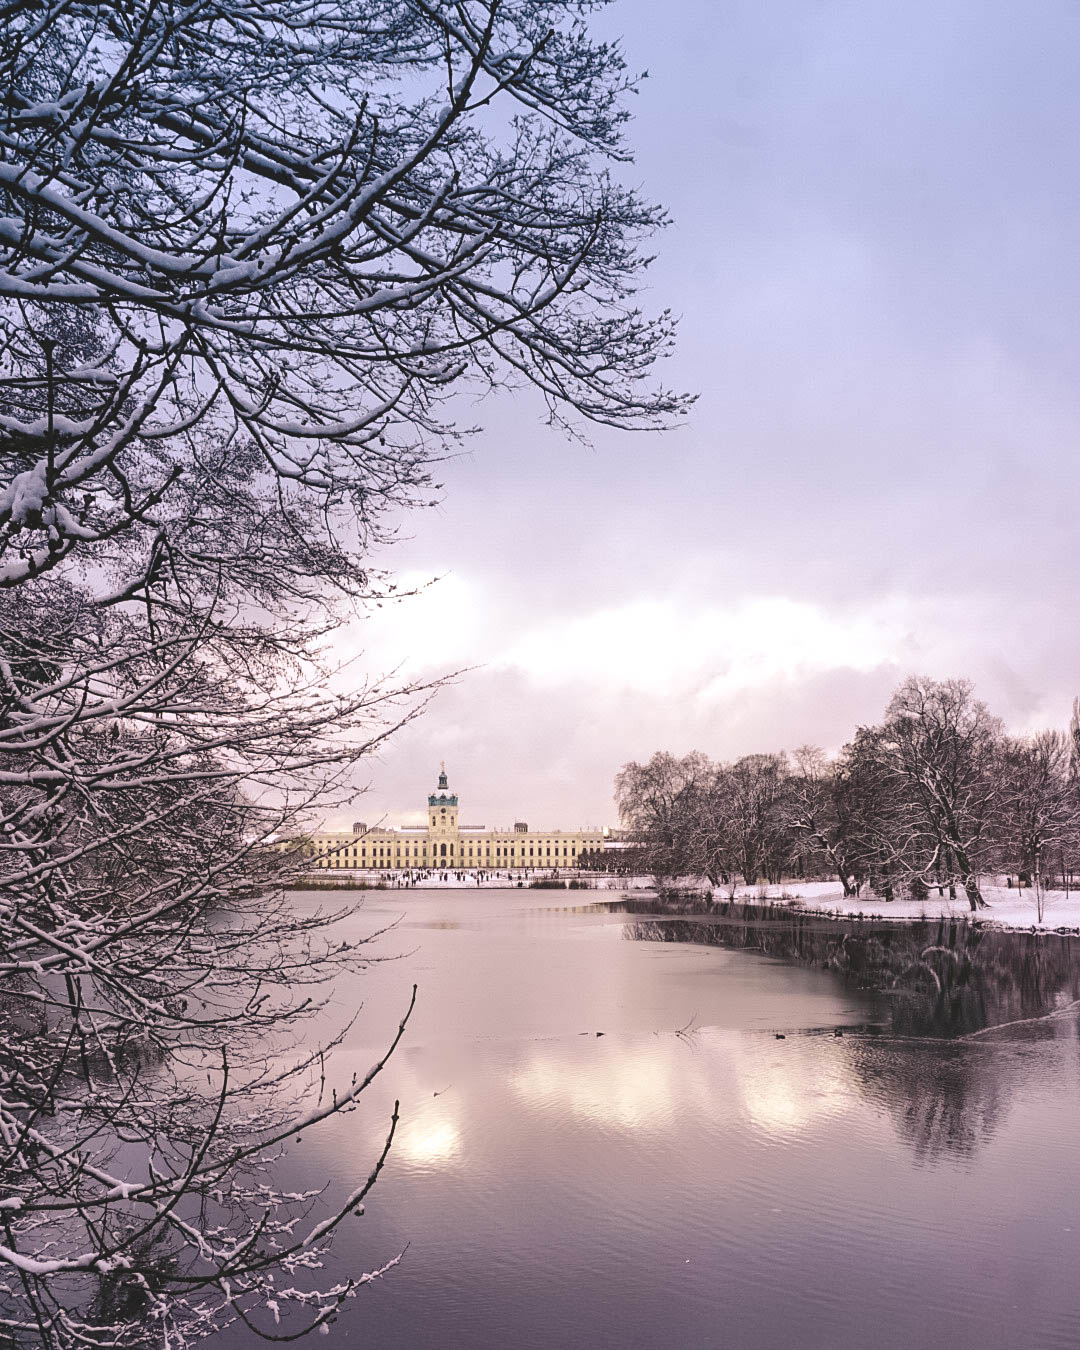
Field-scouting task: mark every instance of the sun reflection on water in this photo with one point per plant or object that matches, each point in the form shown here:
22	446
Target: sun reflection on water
626	1091
429	1141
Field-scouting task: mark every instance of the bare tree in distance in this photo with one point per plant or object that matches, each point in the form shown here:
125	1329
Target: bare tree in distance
691	815
249	252
658	802
713	829
757	784
935	795
942	748
887	848
1038	807
821	810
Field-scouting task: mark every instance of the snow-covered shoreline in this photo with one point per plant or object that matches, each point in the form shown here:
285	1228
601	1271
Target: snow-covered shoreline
1009	908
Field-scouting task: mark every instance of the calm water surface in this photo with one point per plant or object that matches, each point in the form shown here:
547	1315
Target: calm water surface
687	1178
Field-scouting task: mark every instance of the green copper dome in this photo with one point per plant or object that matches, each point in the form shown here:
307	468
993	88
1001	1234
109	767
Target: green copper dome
443	796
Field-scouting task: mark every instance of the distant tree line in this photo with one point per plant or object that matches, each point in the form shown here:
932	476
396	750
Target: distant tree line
937	794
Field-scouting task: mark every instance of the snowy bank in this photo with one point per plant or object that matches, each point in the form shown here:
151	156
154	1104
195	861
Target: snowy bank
1012	908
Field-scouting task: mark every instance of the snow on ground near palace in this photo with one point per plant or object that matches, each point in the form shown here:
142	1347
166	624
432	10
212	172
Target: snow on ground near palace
1007	907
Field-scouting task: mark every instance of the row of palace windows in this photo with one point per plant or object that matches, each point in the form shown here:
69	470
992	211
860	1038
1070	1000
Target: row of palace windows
413	854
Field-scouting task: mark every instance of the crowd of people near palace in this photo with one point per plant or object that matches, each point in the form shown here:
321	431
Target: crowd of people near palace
479	876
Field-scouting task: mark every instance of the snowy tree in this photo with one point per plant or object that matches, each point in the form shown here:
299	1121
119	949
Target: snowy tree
934	795
692	815
942	751
822	813
1037	810
712	828
304	226
249	251
659	804
883	844
763	844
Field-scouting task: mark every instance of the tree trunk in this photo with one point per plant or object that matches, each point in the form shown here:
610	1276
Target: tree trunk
971	889
968	878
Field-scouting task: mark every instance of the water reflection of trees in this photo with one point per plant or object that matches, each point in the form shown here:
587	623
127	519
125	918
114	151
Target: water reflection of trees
946	986
946	1100
943	978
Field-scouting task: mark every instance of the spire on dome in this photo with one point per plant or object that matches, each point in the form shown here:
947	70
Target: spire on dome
443	784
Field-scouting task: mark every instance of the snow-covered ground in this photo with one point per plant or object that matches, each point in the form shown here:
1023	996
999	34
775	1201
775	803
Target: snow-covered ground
1007	908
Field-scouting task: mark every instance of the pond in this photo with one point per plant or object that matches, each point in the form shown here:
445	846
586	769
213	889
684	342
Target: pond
744	1130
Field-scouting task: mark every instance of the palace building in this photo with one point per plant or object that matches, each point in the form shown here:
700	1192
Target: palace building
443	844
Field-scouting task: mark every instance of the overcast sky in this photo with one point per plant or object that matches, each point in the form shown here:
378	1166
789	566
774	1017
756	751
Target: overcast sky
876	257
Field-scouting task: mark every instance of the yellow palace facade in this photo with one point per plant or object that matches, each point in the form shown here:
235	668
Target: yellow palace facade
443	844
